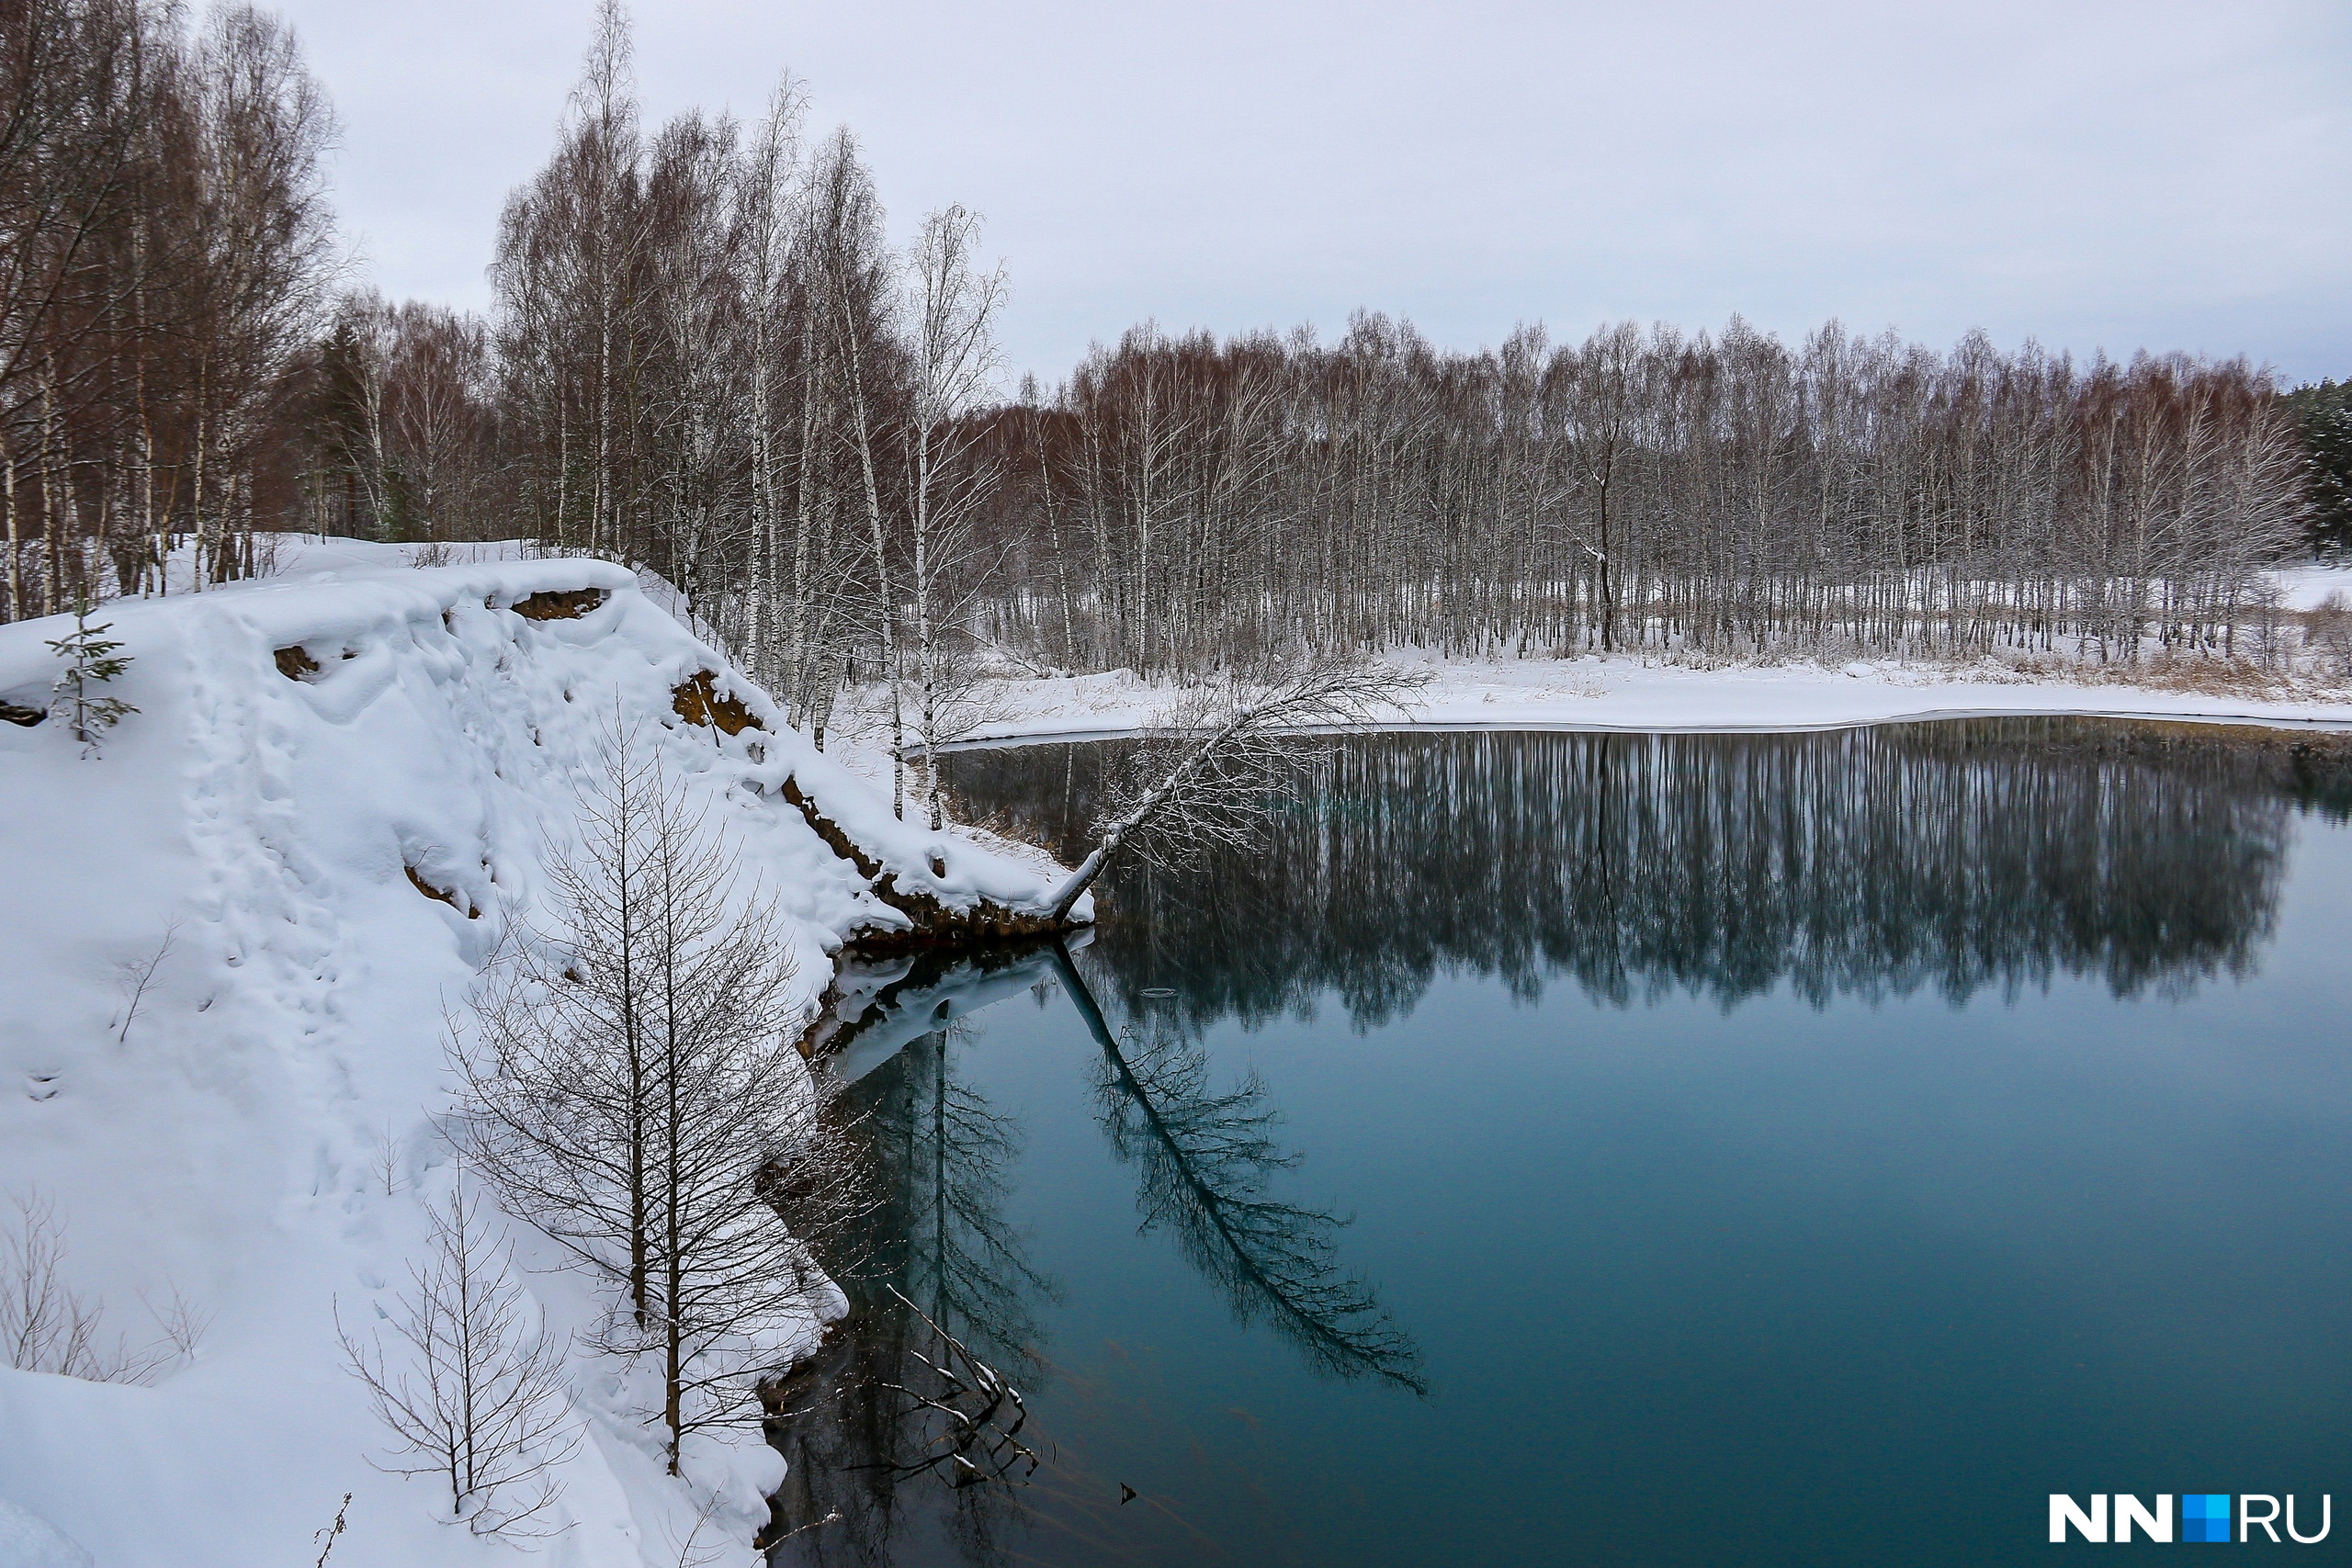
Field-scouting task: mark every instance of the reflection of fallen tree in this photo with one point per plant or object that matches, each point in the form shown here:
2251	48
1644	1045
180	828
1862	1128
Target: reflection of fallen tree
875	1007
1206	1160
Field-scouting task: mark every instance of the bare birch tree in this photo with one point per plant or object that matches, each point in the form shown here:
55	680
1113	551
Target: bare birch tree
852	267
952	309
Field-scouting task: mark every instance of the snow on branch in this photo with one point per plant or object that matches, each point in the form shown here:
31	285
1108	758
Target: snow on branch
1208	765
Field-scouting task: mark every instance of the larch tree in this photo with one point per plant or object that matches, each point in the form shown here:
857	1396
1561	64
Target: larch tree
474	1391
630	1088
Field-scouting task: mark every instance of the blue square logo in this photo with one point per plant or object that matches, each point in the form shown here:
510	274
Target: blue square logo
2205	1516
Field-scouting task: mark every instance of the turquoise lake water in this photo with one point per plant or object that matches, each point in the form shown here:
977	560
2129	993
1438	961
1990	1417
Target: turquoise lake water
1624	1149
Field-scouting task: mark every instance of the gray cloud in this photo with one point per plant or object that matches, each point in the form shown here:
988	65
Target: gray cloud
2117	175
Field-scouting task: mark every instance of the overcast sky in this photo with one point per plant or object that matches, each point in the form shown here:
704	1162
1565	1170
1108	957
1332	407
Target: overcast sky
2158	175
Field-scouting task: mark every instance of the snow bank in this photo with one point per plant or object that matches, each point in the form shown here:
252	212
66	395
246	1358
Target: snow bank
29	1541
333	799
1628	692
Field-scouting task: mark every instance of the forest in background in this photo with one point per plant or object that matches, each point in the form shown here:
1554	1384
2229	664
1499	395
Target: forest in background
707	359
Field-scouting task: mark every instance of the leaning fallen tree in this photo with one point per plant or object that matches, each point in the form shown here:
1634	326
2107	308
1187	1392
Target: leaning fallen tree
1219	746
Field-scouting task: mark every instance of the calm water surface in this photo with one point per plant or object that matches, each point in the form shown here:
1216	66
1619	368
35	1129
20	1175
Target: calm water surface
1558	1149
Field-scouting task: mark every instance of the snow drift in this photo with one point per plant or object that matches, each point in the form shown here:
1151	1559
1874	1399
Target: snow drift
333	799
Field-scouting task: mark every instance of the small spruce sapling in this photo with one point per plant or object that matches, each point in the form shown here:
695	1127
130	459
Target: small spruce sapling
91	661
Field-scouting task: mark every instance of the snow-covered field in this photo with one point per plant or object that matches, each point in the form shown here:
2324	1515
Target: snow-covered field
1645	692
2309	586
221	1142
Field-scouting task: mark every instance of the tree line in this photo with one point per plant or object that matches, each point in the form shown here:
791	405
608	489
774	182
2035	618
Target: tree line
711	363
707	359
1186	501
2323	413
165	248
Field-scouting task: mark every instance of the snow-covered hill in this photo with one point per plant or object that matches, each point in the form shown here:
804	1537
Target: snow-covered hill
334	798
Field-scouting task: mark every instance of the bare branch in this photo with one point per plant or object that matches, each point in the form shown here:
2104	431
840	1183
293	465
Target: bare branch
479	1396
135	975
1235	736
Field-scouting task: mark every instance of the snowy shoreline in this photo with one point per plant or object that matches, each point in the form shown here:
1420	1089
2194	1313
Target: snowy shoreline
332	799
1627	697
1539	726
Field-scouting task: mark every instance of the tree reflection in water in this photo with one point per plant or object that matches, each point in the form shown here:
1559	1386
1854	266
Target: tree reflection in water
860	1423
1205	1161
1951	857
1955	856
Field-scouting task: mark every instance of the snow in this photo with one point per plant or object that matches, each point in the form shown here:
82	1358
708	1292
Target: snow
2309	586
27	1540
219	1142
1628	692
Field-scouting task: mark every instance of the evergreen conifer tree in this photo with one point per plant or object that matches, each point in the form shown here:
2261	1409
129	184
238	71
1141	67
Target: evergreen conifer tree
91	661
2324	414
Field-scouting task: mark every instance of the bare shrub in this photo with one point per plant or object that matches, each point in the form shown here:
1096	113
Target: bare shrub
135	977
47	1327
2329	633
384	1163
180	1322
